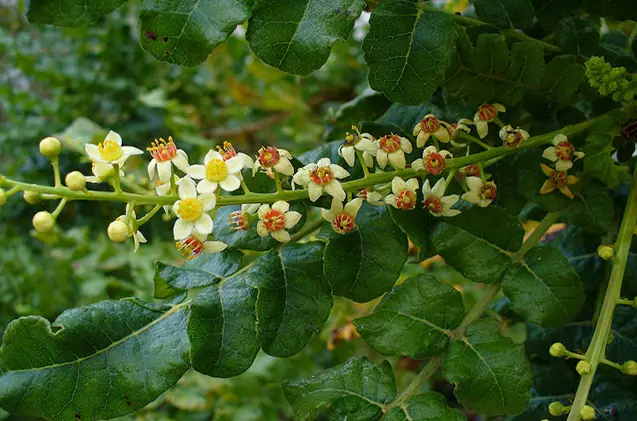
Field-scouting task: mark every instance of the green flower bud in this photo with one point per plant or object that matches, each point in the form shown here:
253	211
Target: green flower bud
75	181
587	413
583	367
117	231
50	147
556	409
557	349
630	368
606	252
3	197
31	197
43	222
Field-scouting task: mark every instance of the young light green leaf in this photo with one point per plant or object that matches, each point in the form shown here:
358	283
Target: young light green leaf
480	251
428	406
71	13
185	32
413	319
491	373
357	264
506	13
296	35
356	390
93	363
545	289
408	64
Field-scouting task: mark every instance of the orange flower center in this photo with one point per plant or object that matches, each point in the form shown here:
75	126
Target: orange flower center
430	124
110	151
406	200
190	247
390	143
227	151
487	112
565	150
274	220
434	204
472	170
343	223
321	175
489	191
559	178
163	151
512	138
269	157
435	163
190	209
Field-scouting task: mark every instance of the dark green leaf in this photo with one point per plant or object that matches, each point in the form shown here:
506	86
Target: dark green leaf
413	319
549	12
592	209
599	161
618	9
93	363
185	32
506	13
72	13
561	77
428	406
491	373
407	116
205	270
408	50
577	36
478	242
296	35
364	263
367	106
417	224
545	289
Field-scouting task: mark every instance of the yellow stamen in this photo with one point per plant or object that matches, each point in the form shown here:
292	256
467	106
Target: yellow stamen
110	151
190	209
216	170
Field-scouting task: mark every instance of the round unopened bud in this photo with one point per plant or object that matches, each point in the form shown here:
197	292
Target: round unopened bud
630	368
75	180
583	367
3	197
117	231
606	252
556	409
587	413
43	222
31	197
50	147
557	349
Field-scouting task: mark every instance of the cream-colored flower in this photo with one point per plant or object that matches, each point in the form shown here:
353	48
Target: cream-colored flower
274	159
363	142
165	155
372	197
392	148
562	152
195	244
137	235
111	151
342	219
433	162
320	177
435	200
557	180
241	220
429	126
217	172
102	172
404	195
277	220
486	113
480	192
511	137
191	210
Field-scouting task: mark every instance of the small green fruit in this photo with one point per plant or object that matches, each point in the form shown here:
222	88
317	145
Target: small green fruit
556	409
50	147
43	222
31	197
583	367
75	181
117	231
557	349
606	252
587	413
630	368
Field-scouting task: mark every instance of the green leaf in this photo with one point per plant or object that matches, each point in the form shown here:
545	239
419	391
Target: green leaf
414	318
356	390
618	9
506	13
592	209
491	373
428	406
368	106
185	32
478	242
364	263
561	77
408	50
71	13
599	161
577	36
276	303
296	35
205	270
549	12
93	363
545	289
417	224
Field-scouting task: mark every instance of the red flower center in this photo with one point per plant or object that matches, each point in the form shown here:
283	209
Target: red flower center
472	170
321	175
489	191
435	163
487	112
406	200
190	247
390	143
565	150
430	124
227	151
274	220
434	204
512	138
239	220
559	178
269	157
343	223
163	151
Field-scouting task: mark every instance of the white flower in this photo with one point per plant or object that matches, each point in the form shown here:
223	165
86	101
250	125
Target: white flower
404	193
342	219
191	210
322	176
372	197
513	137
165	155
217	172
435	200
358	142
138	237
480	193
429	126
392	148
102	172
432	161
111	150
276	220
276	159
486	113
562	152
195	244
163	188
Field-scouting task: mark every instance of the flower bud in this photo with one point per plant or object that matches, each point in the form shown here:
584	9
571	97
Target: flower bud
75	181
43	222
50	147
557	349
605	252
118	231
583	367
556	409
3	197
31	197
630	368
587	413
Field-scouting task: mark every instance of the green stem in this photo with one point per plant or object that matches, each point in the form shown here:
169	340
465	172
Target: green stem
595	352
149	215
59	208
537	234
472	139
244	186
428	370
116	179
359	155
478	309
56	172
277	181
308	229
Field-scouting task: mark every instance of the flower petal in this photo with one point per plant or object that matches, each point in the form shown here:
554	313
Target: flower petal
381	157
439	188
208	201
397	159
348	154
426	188
93	152
207	186
412	184
292	218
483	128
263	209
281	205
230	183
398	185
114	137
474	184
284	166
547	187
335	189
164	169
405	145
181	160
261	229
442	134
214	246
562	165
187	189
131	150
204	224
152	169
196	171
281	236
182	229
471	196
314	191
323	162
212	154
549	153
234	164
353	206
